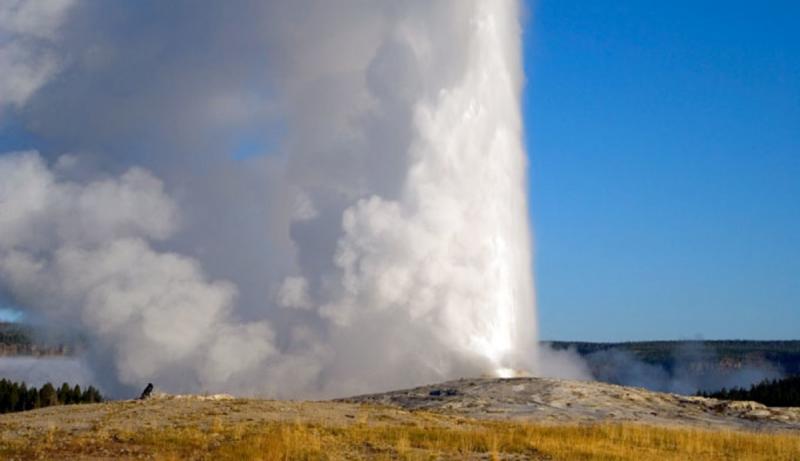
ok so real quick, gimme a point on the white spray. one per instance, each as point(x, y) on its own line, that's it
point(453, 252)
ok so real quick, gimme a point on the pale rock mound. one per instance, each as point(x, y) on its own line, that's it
point(562, 401)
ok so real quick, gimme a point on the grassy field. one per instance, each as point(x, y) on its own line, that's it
point(416, 441)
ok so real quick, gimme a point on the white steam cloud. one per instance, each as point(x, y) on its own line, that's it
point(27, 32)
point(283, 198)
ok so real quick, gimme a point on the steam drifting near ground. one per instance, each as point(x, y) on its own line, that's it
point(286, 198)
point(693, 367)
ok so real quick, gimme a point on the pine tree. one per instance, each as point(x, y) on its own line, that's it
point(22, 400)
point(777, 392)
point(33, 398)
point(48, 395)
point(5, 396)
point(19, 397)
point(64, 394)
point(92, 395)
point(13, 399)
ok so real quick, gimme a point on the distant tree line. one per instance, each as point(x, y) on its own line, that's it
point(19, 397)
point(14, 333)
point(774, 393)
point(19, 339)
point(721, 354)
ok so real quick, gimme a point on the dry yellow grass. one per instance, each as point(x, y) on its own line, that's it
point(469, 440)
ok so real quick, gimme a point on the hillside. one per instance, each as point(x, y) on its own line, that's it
point(687, 367)
point(702, 355)
point(21, 340)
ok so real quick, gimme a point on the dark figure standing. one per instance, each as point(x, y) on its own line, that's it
point(147, 391)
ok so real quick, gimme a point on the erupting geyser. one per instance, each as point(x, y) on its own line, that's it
point(380, 239)
point(462, 217)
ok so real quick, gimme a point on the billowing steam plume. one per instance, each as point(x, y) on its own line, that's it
point(290, 198)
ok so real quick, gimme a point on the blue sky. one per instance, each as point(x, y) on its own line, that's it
point(665, 168)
